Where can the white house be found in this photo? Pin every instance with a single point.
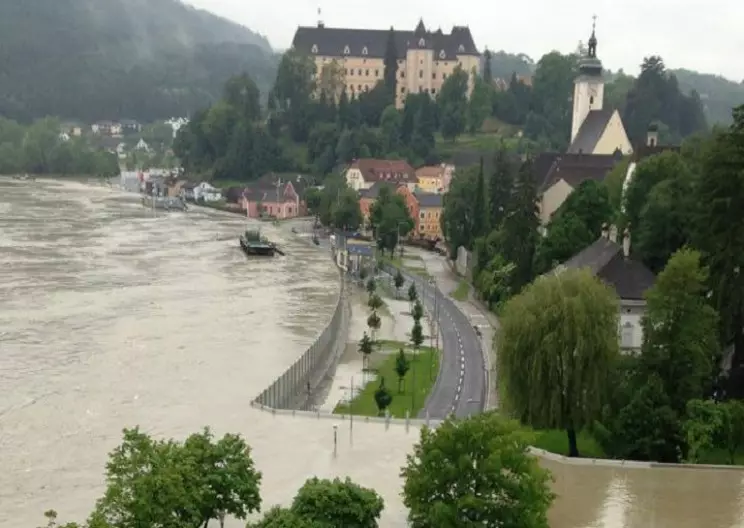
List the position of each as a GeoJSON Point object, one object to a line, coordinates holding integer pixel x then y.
{"type": "Point", "coordinates": [611, 262]}
{"type": "Point", "coordinates": [205, 191]}
{"type": "Point", "coordinates": [176, 123]}
{"type": "Point", "coordinates": [142, 146]}
{"type": "Point", "coordinates": [64, 136]}
{"type": "Point", "coordinates": [364, 173]}
{"type": "Point", "coordinates": [106, 128]}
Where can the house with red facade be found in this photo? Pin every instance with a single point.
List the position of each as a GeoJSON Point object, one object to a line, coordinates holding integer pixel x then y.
{"type": "Point", "coordinates": [275, 195]}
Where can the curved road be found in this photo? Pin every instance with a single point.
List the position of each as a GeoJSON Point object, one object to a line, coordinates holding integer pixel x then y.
{"type": "Point", "coordinates": [460, 388]}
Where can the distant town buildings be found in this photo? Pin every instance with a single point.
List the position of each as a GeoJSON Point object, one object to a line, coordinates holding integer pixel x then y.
{"type": "Point", "coordinates": [425, 57]}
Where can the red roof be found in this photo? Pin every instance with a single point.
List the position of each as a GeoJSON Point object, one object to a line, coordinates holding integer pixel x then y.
{"type": "Point", "coordinates": [374, 170]}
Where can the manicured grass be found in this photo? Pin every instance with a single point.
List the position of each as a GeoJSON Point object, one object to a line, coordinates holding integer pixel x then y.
{"type": "Point", "coordinates": [462, 292]}
{"type": "Point", "coordinates": [556, 441]}
{"type": "Point", "coordinates": [414, 390]}
{"type": "Point", "coordinates": [482, 141]}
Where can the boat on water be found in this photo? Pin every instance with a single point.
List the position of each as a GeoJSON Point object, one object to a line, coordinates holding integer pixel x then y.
{"type": "Point", "coordinates": [253, 244]}
{"type": "Point", "coordinates": [165, 203]}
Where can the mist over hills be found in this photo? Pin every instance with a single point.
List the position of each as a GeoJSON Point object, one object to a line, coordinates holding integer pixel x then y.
{"type": "Point", "coordinates": [109, 59]}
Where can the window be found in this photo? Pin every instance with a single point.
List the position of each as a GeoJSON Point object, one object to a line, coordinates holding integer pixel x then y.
{"type": "Point", "coordinates": [626, 339]}
{"type": "Point", "coordinates": [433, 75]}
{"type": "Point", "coordinates": [366, 88]}
{"type": "Point", "coordinates": [421, 74]}
{"type": "Point", "coordinates": [402, 75]}
{"type": "Point", "coordinates": [421, 227]}
{"type": "Point", "coordinates": [314, 49]}
{"type": "Point", "coordinates": [366, 72]}
{"type": "Point", "coordinates": [346, 71]}
{"type": "Point", "coordinates": [360, 87]}
{"type": "Point", "coordinates": [422, 215]}
{"type": "Point", "coordinates": [591, 100]}
{"type": "Point", "coordinates": [422, 43]}
{"type": "Point", "coordinates": [433, 91]}
{"type": "Point", "coordinates": [461, 48]}
{"type": "Point", "coordinates": [359, 71]}
{"type": "Point", "coordinates": [444, 76]}
{"type": "Point", "coordinates": [402, 89]}
{"type": "Point", "coordinates": [365, 51]}
{"type": "Point", "coordinates": [377, 73]}
{"type": "Point", "coordinates": [442, 54]}
{"type": "Point", "coordinates": [346, 50]}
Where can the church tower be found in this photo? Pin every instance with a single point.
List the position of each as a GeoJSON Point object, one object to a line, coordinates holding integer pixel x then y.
{"type": "Point", "coordinates": [588, 86]}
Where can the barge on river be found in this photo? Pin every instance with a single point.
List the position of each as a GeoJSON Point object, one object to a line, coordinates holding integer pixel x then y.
{"type": "Point", "coordinates": [253, 244]}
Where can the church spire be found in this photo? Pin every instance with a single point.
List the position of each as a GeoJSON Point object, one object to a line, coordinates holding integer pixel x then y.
{"type": "Point", "coordinates": [593, 39]}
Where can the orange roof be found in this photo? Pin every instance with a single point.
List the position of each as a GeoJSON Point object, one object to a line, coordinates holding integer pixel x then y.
{"type": "Point", "coordinates": [429, 171]}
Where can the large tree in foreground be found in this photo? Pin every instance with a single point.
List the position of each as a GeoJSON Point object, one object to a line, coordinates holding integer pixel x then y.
{"type": "Point", "coordinates": [475, 472]}
{"type": "Point", "coordinates": [557, 345]}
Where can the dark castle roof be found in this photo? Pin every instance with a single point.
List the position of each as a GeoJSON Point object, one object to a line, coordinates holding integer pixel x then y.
{"type": "Point", "coordinates": [332, 42]}
{"type": "Point", "coordinates": [574, 169]}
{"type": "Point", "coordinates": [606, 260]}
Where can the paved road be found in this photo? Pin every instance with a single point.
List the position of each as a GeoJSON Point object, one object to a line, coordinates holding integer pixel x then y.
{"type": "Point", "coordinates": [461, 385]}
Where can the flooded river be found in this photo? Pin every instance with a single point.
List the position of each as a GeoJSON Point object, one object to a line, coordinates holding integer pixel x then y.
{"type": "Point", "coordinates": [111, 317]}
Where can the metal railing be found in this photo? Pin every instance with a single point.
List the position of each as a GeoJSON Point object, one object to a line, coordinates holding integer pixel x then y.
{"type": "Point", "coordinates": [294, 388]}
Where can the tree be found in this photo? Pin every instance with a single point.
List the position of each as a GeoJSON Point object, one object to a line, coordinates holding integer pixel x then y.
{"type": "Point", "coordinates": [554, 362]}
{"type": "Point", "coordinates": [398, 281]}
{"type": "Point", "coordinates": [519, 228]}
{"type": "Point", "coordinates": [487, 73]}
{"type": "Point", "coordinates": [732, 427]}
{"type": "Point", "coordinates": [390, 62]}
{"type": "Point", "coordinates": [390, 130]}
{"type": "Point", "coordinates": [417, 334]}
{"type": "Point", "coordinates": [424, 126]}
{"type": "Point", "coordinates": [337, 504]}
{"type": "Point", "coordinates": [480, 216]}
{"type": "Point", "coordinates": [459, 212]}
{"type": "Point", "coordinates": [242, 94]}
{"type": "Point", "coordinates": [553, 79]}
{"type": "Point", "coordinates": [375, 302]}
{"type": "Point", "coordinates": [163, 483]}
{"type": "Point", "coordinates": [418, 311]}
{"type": "Point", "coordinates": [479, 105]}
{"type": "Point", "coordinates": [475, 472]}
{"type": "Point", "coordinates": [402, 365]}
{"type": "Point", "coordinates": [703, 422]}
{"type": "Point", "coordinates": [390, 219]}
{"type": "Point", "coordinates": [412, 294]}
{"type": "Point", "coordinates": [345, 211]}
{"type": "Point", "coordinates": [719, 231]}
{"type": "Point", "coordinates": [373, 322]}
{"type": "Point", "coordinates": [680, 331]}
{"type": "Point", "coordinates": [500, 186]}
{"type": "Point", "coordinates": [383, 398]}
{"type": "Point", "coordinates": [452, 103]}
{"type": "Point", "coordinates": [278, 517]}
{"type": "Point", "coordinates": [371, 286]}
{"type": "Point", "coordinates": [365, 348]}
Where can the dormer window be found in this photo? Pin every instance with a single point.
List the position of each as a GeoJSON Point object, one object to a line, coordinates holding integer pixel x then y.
{"type": "Point", "coordinates": [442, 55]}
{"type": "Point", "coordinates": [422, 43]}
{"type": "Point", "coordinates": [365, 51]}
{"type": "Point", "coordinates": [314, 49]}
{"type": "Point", "coordinates": [346, 50]}
{"type": "Point", "coordinates": [461, 48]}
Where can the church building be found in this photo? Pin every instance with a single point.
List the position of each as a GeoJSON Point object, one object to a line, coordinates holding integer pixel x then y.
{"type": "Point", "coordinates": [594, 129]}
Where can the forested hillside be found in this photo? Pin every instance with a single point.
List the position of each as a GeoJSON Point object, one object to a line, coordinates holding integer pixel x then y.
{"type": "Point", "coordinates": [718, 94]}
{"type": "Point", "coordinates": [111, 59]}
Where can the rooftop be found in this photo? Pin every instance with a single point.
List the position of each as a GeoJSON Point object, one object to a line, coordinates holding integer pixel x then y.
{"type": "Point", "coordinates": [574, 169]}
{"type": "Point", "coordinates": [591, 131]}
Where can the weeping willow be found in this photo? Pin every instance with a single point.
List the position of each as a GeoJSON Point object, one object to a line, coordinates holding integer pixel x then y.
{"type": "Point", "coordinates": [557, 344]}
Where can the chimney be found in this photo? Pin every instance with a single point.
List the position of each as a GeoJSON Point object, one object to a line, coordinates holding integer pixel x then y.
{"type": "Point", "coordinates": [652, 136]}
{"type": "Point", "coordinates": [613, 233]}
{"type": "Point", "coordinates": [626, 243]}
{"type": "Point", "coordinates": [605, 230]}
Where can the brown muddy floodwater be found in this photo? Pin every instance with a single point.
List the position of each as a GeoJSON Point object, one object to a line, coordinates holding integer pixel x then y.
{"type": "Point", "coordinates": [111, 317]}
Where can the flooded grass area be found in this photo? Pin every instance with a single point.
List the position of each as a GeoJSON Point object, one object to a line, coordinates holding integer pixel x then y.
{"type": "Point", "coordinates": [409, 396]}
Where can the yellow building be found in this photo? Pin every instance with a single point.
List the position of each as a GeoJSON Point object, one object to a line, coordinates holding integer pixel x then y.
{"type": "Point", "coordinates": [425, 58]}
{"type": "Point", "coordinates": [429, 222]}
{"type": "Point", "coordinates": [434, 178]}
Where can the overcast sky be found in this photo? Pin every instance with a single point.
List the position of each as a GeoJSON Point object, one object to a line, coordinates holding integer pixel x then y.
{"type": "Point", "coordinates": [701, 35]}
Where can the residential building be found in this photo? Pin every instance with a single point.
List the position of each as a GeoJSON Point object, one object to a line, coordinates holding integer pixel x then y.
{"type": "Point", "coordinates": [278, 201]}
{"type": "Point", "coordinates": [204, 191]}
{"type": "Point", "coordinates": [594, 129]}
{"type": "Point", "coordinates": [558, 175]}
{"type": "Point", "coordinates": [429, 220]}
{"type": "Point", "coordinates": [364, 173]}
{"type": "Point", "coordinates": [142, 146]}
{"type": "Point", "coordinates": [434, 178]}
{"type": "Point", "coordinates": [367, 198]}
{"type": "Point", "coordinates": [72, 129]}
{"type": "Point", "coordinates": [130, 126]}
{"type": "Point", "coordinates": [611, 262]}
{"type": "Point", "coordinates": [106, 128]}
{"type": "Point", "coordinates": [425, 58]}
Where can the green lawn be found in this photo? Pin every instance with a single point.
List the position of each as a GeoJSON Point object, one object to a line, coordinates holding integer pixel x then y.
{"type": "Point", "coordinates": [482, 141]}
{"type": "Point", "coordinates": [405, 263]}
{"type": "Point", "coordinates": [462, 292]}
{"type": "Point", "coordinates": [414, 390]}
{"type": "Point", "coordinates": [556, 441]}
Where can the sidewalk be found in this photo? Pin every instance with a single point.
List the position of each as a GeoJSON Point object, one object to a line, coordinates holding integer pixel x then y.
{"type": "Point", "coordinates": [474, 310]}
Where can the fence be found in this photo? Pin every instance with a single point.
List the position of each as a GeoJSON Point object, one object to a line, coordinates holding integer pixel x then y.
{"type": "Point", "coordinates": [293, 388]}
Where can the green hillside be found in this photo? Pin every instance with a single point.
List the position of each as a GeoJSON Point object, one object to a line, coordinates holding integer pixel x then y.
{"type": "Point", "coordinates": [718, 94]}
{"type": "Point", "coordinates": [108, 59]}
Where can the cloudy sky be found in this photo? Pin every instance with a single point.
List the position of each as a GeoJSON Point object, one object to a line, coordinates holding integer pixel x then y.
{"type": "Point", "coordinates": [695, 34]}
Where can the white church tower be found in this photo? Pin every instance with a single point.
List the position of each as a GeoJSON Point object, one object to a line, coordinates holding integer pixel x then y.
{"type": "Point", "coordinates": [588, 86]}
